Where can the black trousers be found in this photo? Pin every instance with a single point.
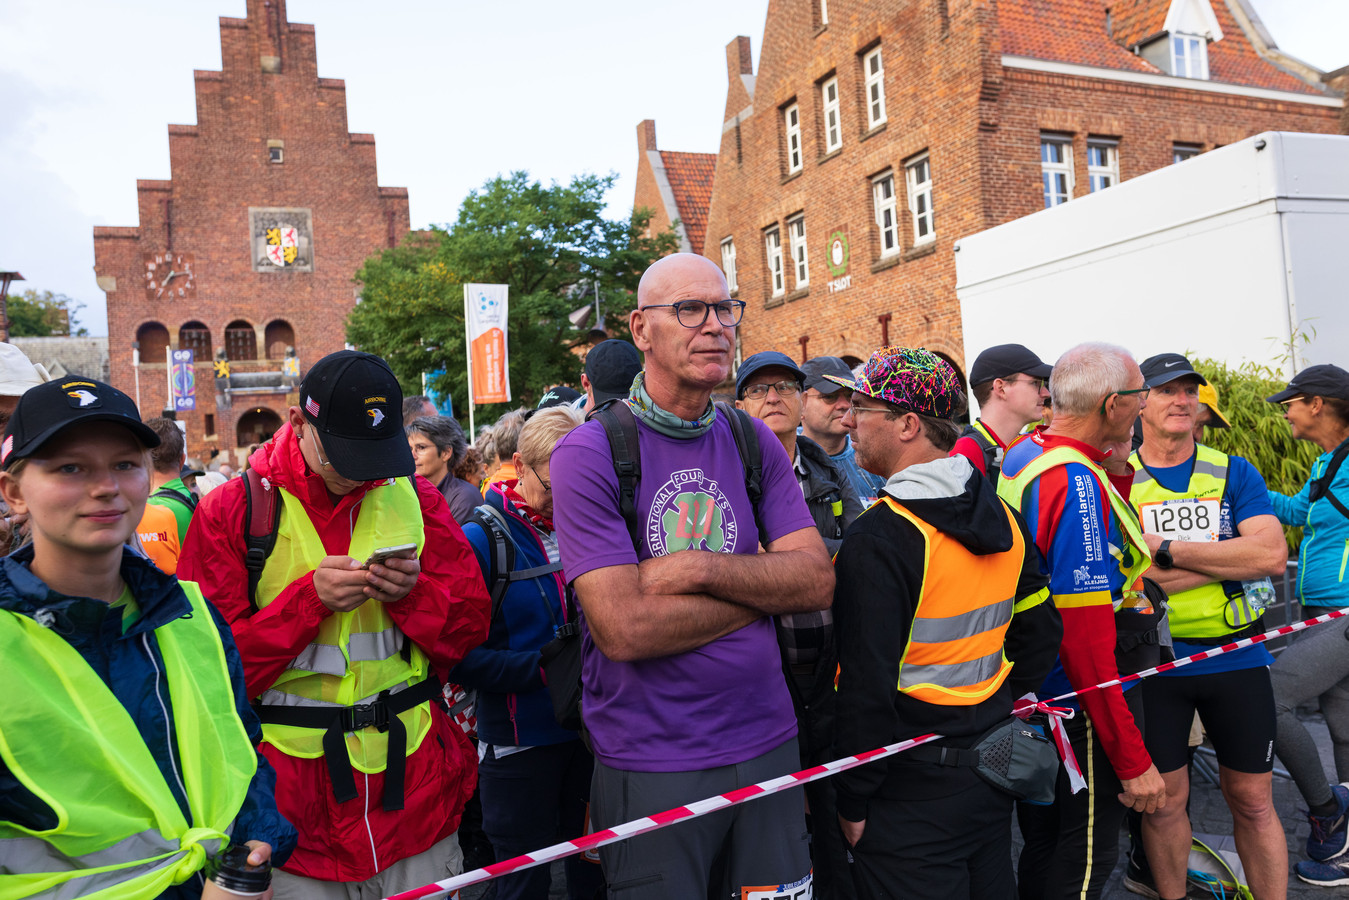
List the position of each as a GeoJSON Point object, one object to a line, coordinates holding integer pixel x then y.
{"type": "Point", "coordinates": [956, 847]}
{"type": "Point", "coordinates": [1073, 844]}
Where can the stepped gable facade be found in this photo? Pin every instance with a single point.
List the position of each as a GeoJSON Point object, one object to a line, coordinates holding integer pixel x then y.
{"type": "Point", "coordinates": [876, 134]}
{"type": "Point", "coordinates": [246, 254]}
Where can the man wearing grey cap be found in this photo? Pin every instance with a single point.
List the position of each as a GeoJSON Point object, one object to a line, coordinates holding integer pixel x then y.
{"type": "Point", "coordinates": [824, 403]}
{"type": "Point", "coordinates": [1010, 384]}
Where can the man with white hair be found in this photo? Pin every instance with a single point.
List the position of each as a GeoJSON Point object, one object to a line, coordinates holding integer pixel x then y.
{"type": "Point", "coordinates": [1066, 481]}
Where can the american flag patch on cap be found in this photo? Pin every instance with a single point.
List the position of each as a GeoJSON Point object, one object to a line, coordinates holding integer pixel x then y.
{"type": "Point", "coordinates": [311, 406]}
{"type": "Point", "coordinates": [7, 446]}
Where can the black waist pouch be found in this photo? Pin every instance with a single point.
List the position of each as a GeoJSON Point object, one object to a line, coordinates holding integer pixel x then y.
{"type": "Point", "coordinates": [561, 661]}
{"type": "Point", "coordinates": [1016, 756]}
{"type": "Point", "coordinates": [1142, 639]}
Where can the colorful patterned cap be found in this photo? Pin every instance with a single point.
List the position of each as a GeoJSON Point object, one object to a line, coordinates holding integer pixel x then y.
{"type": "Point", "coordinates": [916, 379]}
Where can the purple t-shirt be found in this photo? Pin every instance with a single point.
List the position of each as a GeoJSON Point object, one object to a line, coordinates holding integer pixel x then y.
{"type": "Point", "coordinates": [725, 702]}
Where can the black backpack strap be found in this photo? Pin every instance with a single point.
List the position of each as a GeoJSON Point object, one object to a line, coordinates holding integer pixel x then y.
{"type": "Point", "coordinates": [170, 494]}
{"type": "Point", "coordinates": [747, 442]}
{"type": "Point", "coordinates": [262, 513]}
{"type": "Point", "coordinates": [620, 426]}
{"type": "Point", "coordinates": [500, 557]}
{"type": "Point", "coordinates": [1321, 486]}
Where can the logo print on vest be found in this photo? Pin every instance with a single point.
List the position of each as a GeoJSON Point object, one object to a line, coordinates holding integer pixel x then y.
{"type": "Point", "coordinates": [690, 512]}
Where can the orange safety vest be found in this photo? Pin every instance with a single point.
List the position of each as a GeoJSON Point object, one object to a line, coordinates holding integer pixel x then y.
{"type": "Point", "coordinates": [954, 655]}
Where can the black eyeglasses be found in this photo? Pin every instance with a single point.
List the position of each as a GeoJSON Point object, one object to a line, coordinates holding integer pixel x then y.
{"type": "Point", "coordinates": [693, 313]}
{"type": "Point", "coordinates": [786, 388]}
{"type": "Point", "coordinates": [1141, 392]}
{"type": "Point", "coordinates": [546, 485]}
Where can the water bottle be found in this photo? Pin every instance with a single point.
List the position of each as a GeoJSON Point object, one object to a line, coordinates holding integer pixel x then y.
{"type": "Point", "coordinates": [1259, 593]}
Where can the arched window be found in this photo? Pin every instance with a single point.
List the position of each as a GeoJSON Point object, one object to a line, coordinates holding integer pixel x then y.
{"type": "Point", "coordinates": [196, 337]}
{"type": "Point", "coordinates": [278, 337]}
{"type": "Point", "coordinates": [241, 341]}
{"type": "Point", "coordinates": [154, 342]}
{"type": "Point", "coordinates": [256, 426]}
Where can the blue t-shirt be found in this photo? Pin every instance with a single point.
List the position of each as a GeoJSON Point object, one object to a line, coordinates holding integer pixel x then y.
{"type": "Point", "coordinates": [1246, 496]}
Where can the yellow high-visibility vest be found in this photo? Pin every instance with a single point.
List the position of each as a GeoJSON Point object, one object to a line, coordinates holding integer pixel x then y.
{"type": "Point", "coordinates": [64, 735]}
{"type": "Point", "coordinates": [355, 655]}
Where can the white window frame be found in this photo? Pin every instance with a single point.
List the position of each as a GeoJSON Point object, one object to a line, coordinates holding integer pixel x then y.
{"type": "Point", "coordinates": [886, 205]}
{"type": "Point", "coordinates": [773, 246]}
{"type": "Point", "coordinates": [791, 117]}
{"type": "Point", "coordinates": [918, 181]}
{"type": "Point", "coordinates": [873, 72]}
{"type": "Point", "coordinates": [1057, 168]}
{"type": "Point", "coordinates": [796, 236]}
{"type": "Point", "coordinates": [833, 124]}
{"type": "Point", "coordinates": [824, 12]}
{"type": "Point", "coordinates": [728, 263]}
{"type": "Point", "coordinates": [1105, 173]}
{"type": "Point", "coordinates": [1182, 152]}
{"type": "Point", "coordinates": [1189, 55]}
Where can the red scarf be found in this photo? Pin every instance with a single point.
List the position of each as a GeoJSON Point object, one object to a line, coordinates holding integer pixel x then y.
{"type": "Point", "coordinates": [510, 493]}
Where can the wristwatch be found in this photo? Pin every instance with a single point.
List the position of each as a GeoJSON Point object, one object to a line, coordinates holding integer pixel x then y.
{"type": "Point", "coordinates": [1162, 558]}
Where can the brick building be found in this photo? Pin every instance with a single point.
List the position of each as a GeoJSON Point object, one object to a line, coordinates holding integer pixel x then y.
{"type": "Point", "coordinates": [675, 186]}
{"type": "Point", "coordinates": [876, 134]}
{"type": "Point", "coordinates": [249, 249]}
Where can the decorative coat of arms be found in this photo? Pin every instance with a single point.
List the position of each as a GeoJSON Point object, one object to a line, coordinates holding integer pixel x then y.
{"type": "Point", "coordinates": [281, 239]}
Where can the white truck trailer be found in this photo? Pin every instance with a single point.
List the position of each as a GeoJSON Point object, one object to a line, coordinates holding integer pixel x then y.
{"type": "Point", "coordinates": [1239, 254]}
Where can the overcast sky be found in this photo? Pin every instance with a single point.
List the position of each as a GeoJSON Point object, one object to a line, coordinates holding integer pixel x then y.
{"type": "Point", "coordinates": [454, 92]}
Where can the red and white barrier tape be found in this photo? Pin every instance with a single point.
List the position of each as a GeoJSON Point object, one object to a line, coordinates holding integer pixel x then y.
{"type": "Point", "coordinates": [815, 773]}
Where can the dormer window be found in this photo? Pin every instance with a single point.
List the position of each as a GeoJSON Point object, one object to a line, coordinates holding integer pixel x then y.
{"type": "Point", "coordinates": [1189, 56]}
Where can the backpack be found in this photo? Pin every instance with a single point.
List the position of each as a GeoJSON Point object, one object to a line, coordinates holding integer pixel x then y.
{"type": "Point", "coordinates": [992, 452]}
{"type": "Point", "coordinates": [501, 557]}
{"type": "Point", "coordinates": [189, 501]}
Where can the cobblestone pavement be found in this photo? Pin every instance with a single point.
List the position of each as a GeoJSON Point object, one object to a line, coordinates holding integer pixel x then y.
{"type": "Point", "coordinates": [1208, 814]}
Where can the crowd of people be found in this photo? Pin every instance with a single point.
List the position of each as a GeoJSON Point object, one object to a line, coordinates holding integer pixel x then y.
{"type": "Point", "coordinates": [359, 659]}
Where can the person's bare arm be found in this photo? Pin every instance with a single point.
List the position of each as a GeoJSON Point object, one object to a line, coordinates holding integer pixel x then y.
{"type": "Point", "coordinates": [1257, 551]}
{"type": "Point", "coordinates": [630, 619]}
{"type": "Point", "coordinates": [1173, 580]}
{"type": "Point", "coordinates": [794, 575]}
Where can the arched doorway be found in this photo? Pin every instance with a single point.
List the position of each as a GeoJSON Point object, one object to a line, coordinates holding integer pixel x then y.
{"type": "Point", "coordinates": [277, 337]}
{"type": "Point", "coordinates": [153, 339]}
{"type": "Point", "coordinates": [256, 426]}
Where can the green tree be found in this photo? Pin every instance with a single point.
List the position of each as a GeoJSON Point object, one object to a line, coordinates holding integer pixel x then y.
{"type": "Point", "coordinates": [547, 243]}
{"type": "Point", "coordinates": [42, 314]}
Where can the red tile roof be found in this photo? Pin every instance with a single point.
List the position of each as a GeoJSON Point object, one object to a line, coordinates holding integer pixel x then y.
{"type": "Point", "coordinates": [690, 176]}
{"type": "Point", "coordinates": [1074, 31]}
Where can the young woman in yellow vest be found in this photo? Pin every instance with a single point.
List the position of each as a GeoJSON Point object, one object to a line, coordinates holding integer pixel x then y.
{"type": "Point", "coordinates": [126, 752]}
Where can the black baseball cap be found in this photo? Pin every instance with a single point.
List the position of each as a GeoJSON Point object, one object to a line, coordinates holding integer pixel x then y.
{"type": "Point", "coordinates": [1006, 360]}
{"type": "Point", "coordinates": [46, 410]}
{"type": "Point", "coordinates": [821, 366]}
{"type": "Point", "coordinates": [354, 401]}
{"type": "Point", "coordinates": [558, 395]}
{"type": "Point", "coordinates": [1167, 367]}
{"type": "Point", "coordinates": [763, 360]}
{"type": "Point", "coordinates": [611, 367]}
{"type": "Point", "coordinates": [1313, 381]}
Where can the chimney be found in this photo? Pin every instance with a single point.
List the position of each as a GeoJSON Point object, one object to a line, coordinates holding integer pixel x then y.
{"type": "Point", "coordinates": [738, 59]}
{"type": "Point", "coordinates": [646, 135]}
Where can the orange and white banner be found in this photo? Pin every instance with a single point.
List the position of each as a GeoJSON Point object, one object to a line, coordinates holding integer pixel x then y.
{"type": "Point", "coordinates": [485, 330]}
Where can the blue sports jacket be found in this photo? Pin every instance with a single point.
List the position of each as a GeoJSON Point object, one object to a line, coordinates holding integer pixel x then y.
{"type": "Point", "coordinates": [1323, 558]}
{"type": "Point", "coordinates": [132, 667]}
{"type": "Point", "coordinates": [514, 708]}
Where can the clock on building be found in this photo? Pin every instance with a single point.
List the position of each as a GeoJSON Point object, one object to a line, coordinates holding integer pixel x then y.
{"type": "Point", "coordinates": [169, 275]}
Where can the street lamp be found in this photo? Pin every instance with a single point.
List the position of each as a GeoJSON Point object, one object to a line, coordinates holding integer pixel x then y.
{"type": "Point", "coordinates": [5, 279]}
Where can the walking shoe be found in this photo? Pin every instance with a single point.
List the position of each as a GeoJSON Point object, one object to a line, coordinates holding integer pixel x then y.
{"type": "Point", "coordinates": [1330, 834]}
{"type": "Point", "coordinates": [1138, 880]}
{"type": "Point", "coordinates": [1323, 874]}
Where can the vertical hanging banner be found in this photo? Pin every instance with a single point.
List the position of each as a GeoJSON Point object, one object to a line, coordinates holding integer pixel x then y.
{"type": "Point", "coordinates": [485, 329]}
{"type": "Point", "coordinates": [183, 381]}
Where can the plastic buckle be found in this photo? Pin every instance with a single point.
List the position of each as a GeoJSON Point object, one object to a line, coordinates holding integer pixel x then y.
{"type": "Point", "coordinates": [256, 557]}
{"type": "Point", "coordinates": [365, 715]}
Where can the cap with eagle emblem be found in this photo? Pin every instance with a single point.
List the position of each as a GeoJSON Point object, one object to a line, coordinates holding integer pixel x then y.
{"type": "Point", "coordinates": [348, 397]}
{"type": "Point", "coordinates": [48, 409]}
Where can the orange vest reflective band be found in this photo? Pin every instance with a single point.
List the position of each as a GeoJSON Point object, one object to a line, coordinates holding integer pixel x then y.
{"type": "Point", "coordinates": [954, 656]}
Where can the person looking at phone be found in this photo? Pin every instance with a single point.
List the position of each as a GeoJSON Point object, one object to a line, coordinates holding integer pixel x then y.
{"type": "Point", "coordinates": [341, 660]}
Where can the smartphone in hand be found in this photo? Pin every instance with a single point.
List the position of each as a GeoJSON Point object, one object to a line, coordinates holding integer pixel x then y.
{"type": "Point", "coordinates": [402, 551]}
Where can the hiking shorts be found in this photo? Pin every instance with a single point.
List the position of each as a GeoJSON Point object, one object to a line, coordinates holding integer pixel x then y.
{"type": "Point", "coordinates": [759, 846]}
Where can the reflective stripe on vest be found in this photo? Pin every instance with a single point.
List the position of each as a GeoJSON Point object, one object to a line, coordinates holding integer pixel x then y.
{"type": "Point", "coordinates": [120, 832]}
{"type": "Point", "coordinates": [954, 655]}
{"type": "Point", "coordinates": [1198, 612]}
{"type": "Point", "coordinates": [1133, 559]}
{"type": "Point", "coordinates": [356, 654]}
